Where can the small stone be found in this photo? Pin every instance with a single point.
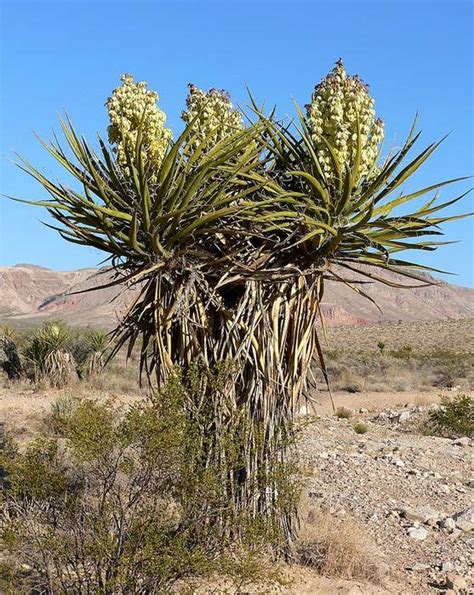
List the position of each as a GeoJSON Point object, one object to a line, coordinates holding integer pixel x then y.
{"type": "Point", "coordinates": [403, 417]}
{"type": "Point", "coordinates": [418, 533]}
{"type": "Point", "coordinates": [447, 566]}
{"type": "Point", "coordinates": [419, 566]}
{"type": "Point", "coordinates": [464, 441]}
{"type": "Point", "coordinates": [421, 514]}
{"type": "Point", "coordinates": [449, 524]}
{"type": "Point", "coordinates": [465, 520]}
{"type": "Point", "coordinates": [399, 463]}
{"type": "Point", "coordinates": [456, 582]}
{"type": "Point", "coordinates": [363, 410]}
{"type": "Point", "coordinates": [444, 489]}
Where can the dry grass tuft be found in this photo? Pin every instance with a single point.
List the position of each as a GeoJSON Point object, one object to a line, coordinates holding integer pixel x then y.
{"type": "Point", "coordinates": [338, 548]}
{"type": "Point", "coordinates": [343, 413]}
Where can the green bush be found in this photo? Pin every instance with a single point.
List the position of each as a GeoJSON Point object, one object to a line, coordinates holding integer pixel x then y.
{"type": "Point", "coordinates": [455, 418]}
{"type": "Point", "coordinates": [360, 428]}
{"type": "Point", "coordinates": [450, 371]}
{"type": "Point", "coordinates": [132, 501]}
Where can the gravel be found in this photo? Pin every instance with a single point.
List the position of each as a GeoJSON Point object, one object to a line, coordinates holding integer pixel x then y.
{"type": "Point", "coordinates": [412, 493]}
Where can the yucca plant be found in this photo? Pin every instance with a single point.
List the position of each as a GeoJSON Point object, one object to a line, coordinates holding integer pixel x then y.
{"type": "Point", "coordinates": [48, 355]}
{"type": "Point", "coordinates": [229, 233]}
{"type": "Point", "coordinates": [12, 363]}
{"type": "Point", "coordinates": [96, 343]}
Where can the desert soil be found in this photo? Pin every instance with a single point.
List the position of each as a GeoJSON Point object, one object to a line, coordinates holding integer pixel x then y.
{"type": "Point", "coordinates": [409, 491]}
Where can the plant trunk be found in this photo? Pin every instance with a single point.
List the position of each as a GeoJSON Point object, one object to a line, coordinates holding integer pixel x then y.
{"type": "Point", "coordinates": [268, 330]}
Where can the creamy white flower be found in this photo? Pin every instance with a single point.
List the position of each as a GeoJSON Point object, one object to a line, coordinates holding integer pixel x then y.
{"type": "Point", "coordinates": [130, 106]}
{"type": "Point", "coordinates": [338, 100]}
{"type": "Point", "coordinates": [216, 118]}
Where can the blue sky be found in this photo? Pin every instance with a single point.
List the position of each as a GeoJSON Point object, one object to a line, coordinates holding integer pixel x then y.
{"type": "Point", "coordinates": [68, 55]}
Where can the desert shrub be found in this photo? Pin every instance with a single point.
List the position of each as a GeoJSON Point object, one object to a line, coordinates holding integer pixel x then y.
{"type": "Point", "coordinates": [343, 413]}
{"type": "Point", "coordinates": [455, 417]}
{"type": "Point", "coordinates": [353, 387]}
{"type": "Point", "coordinates": [337, 548]}
{"type": "Point", "coordinates": [398, 370]}
{"type": "Point", "coordinates": [405, 352]}
{"type": "Point", "coordinates": [131, 501]}
{"type": "Point", "coordinates": [62, 411]}
{"type": "Point", "coordinates": [360, 428]}
{"type": "Point", "coordinates": [116, 377]}
{"type": "Point", "coordinates": [449, 370]}
{"type": "Point", "coordinates": [48, 357]}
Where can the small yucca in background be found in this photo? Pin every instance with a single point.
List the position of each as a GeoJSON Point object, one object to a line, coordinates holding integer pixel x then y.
{"type": "Point", "coordinates": [12, 363]}
{"type": "Point", "coordinates": [49, 357]}
{"type": "Point", "coordinates": [62, 412]}
{"type": "Point", "coordinates": [96, 343]}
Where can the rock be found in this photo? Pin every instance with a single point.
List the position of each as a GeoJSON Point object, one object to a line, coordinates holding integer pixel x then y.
{"type": "Point", "coordinates": [444, 489]}
{"type": "Point", "coordinates": [449, 524]}
{"type": "Point", "coordinates": [465, 520]}
{"type": "Point", "coordinates": [419, 566]}
{"type": "Point", "coordinates": [447, 566]}
{"type": "Point", "coordinates": [418, 533]}
{"type": "Point", "coordinates": [464, 441]}
{"type": "Point", "coordinates": [456, 582]}
{"type": "Point", "coordinates": [422, 514]}
{"type": "Point", "coordinates": [363, 410]}
{"type": "Point", "coordinates": [403, 417]}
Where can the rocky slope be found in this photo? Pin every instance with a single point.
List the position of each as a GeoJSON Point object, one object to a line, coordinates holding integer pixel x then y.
{"type": "Point", "coordinates": [29, 293]}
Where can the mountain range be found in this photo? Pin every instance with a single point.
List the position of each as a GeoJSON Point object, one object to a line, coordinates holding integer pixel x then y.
{"type": "Point", "coordinates": [30, 293]}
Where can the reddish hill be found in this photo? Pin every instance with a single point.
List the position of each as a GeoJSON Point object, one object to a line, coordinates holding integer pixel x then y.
{"type": "Point", "coordinates": [30, 293]}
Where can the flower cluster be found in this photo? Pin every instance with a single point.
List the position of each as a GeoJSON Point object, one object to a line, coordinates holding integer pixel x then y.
{"type": "Point", "coordinates": [130, 106]}
{"type": "Point", "coordinates": [216, 118]}
{"type": "Point", "coordinates": [336, 104]}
